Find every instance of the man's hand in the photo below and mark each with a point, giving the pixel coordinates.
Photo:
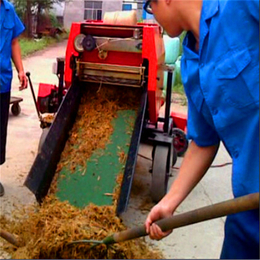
(191, 171)
(17, 59)
(159, 211)
(23, 80)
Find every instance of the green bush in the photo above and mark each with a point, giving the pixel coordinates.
(54, 21)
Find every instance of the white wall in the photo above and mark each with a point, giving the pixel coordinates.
(58, 8)
(111, 6)
(73, 12)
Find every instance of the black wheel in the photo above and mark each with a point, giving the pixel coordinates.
(89, 43)
(161, 162)
(174, 156)
(44, 134)
(180, 141)
(16, 109)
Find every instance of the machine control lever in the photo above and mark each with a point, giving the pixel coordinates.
(43, 123)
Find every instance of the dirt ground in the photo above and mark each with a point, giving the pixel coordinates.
(23, 136)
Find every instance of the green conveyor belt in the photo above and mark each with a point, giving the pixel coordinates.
(90, 184)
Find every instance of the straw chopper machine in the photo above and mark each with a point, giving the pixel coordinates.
(118, 55)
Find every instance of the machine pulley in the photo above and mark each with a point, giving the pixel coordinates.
(89, 43)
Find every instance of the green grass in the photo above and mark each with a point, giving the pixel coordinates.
(178, 88)
(29, 46)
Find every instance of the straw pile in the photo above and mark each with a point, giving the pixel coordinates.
(48, 118)
(45, 232)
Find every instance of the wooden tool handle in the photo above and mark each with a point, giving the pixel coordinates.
(9, 238)
(225, 208)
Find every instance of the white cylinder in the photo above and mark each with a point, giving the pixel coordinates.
(121, 17)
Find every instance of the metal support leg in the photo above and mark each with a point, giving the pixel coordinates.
(168, 101)
(60, 74)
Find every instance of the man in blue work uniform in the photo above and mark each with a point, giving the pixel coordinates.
(10, 28)
(220, 73)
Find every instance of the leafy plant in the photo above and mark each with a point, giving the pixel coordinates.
(26, 8)
(54, 21)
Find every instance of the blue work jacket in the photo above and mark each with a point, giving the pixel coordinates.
(10, 28)
(221, 81)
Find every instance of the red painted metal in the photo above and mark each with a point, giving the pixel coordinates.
(45, 89)
(108, 30)
(75, 30)
(179, 120)
(114, 57)
(152, 51)
(45, 92)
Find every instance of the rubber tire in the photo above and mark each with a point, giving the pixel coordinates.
(16, 109)
(159, 173)
(44, 134)
(174, 156)
(180, 141)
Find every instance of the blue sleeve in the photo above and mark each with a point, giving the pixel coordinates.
(198, 128)
(253, 8)
(18, 25)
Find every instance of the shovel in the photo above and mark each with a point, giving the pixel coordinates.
(244, 203)
(225, 208)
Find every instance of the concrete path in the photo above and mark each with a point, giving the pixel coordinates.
(200, 241)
